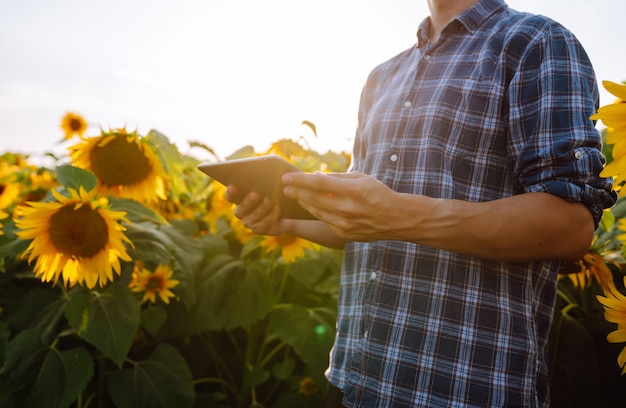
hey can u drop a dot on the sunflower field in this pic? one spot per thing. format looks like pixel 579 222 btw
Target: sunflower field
pixel 126 281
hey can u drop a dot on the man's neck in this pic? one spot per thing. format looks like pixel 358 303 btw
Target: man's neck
pixel 444 11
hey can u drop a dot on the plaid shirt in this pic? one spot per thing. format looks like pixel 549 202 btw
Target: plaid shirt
pixel 498 106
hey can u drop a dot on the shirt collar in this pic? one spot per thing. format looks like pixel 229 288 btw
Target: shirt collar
pixel 471 19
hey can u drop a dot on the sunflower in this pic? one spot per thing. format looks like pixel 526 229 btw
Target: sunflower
pixel 9 192
pixel 73 124
pixel 78 237
pixel 218 206
pixel 125 165
pixel 614 117
pixel 152 283
pixel 307 387
pixel 291 246
pixel 593 264
pixel 614 304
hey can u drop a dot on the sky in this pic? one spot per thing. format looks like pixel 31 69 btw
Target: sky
pixel 225 73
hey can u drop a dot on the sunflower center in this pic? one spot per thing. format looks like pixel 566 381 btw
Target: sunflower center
pixel 120 162
pixel 155 283
pixel 2 187
pixel 80 232
pixel 75 124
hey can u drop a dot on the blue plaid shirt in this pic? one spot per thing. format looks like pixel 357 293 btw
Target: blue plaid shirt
pixel 498 106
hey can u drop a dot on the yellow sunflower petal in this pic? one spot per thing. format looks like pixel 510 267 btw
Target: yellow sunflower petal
pixel 616 89
pixel 619 149
pixel 621 360
pixel 614 136
pixel 613 116
pixel 616 167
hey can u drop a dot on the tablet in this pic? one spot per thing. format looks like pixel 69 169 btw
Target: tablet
pixel 261 174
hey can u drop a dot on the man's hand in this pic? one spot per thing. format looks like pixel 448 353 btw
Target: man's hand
pixel 257 213
pixel 354 205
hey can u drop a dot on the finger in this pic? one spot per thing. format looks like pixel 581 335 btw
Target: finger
pixel 247 205
pixel 261 212
pixel 313 200
pixel 233 195
pixel 264 225
pixel 351 175
pixel 322 182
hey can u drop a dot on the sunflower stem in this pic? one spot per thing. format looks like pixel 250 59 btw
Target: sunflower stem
pixel 271 354
pixel 270 394
pixel 220 365
pixel 283 282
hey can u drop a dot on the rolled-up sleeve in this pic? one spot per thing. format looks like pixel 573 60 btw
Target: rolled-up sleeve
pixel 557 147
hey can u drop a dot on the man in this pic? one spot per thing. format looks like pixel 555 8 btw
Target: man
pixel 475 171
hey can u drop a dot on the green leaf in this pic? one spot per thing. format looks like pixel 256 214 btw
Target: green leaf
pixel 309 331
pixel 245 151
pixel 174 163
pixel 33 308
pixel 283 369
pixel 152 319
pixel 21 346
pixel 251 246
pixel 17 372
pixel 312 271
pixel 575 373
pixel 255 377
pixel 619 209
pixel 230 294
pixel 171 158
pixel 607 221
pixel 107 320
pixel 61 377
pixel 10 245
pixel 162 380
pixel 74 178
pixel 164 243
pixel 135 211
pixel 311 125
pixel 203 146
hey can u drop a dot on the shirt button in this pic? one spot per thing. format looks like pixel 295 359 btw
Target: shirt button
pixel 394 158
pixel 426 57
pixel 407 104
pixel 373 276
pixel 366 334
pixel 579 155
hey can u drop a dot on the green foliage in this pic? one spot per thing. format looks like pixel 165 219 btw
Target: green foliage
pixel 37 375
pixel 107 320
pixel 163 379
pixel 74 178
pixel 243 329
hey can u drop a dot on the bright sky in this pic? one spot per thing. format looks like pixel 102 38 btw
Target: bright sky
pixel 227 73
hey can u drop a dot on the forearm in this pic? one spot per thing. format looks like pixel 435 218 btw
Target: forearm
pixel 315 231
pixel 526 227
